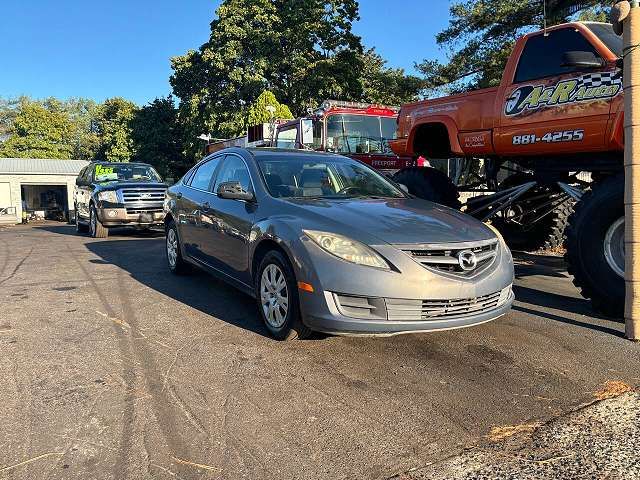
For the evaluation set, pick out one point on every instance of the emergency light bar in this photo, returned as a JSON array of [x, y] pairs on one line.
[[327, 104]]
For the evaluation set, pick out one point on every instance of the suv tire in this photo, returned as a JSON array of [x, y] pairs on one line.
[[96, 229]]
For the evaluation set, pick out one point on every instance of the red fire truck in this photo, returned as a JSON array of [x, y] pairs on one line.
[[363, 131]]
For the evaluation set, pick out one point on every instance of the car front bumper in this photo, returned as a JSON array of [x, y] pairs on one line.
[[117, 217], [354, 299], [327, 318]]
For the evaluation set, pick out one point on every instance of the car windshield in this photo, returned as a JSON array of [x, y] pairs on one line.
[[299, 176], [348, 133], [604, 31], [125, 172]]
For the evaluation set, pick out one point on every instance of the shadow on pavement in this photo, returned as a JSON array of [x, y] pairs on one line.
[[529, 264], [64, 229], [144, 260]]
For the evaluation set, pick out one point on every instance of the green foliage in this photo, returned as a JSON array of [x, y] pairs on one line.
[[303, 51], [156, 137], [481, 35], [113, 126], [39, 130], [258, 113]]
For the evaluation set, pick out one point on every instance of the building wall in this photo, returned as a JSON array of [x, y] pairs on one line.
[[15, 181]]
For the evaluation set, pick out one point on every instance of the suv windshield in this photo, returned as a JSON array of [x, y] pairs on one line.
[[293, 176], [349, 133], [604, 31], [124, 172]]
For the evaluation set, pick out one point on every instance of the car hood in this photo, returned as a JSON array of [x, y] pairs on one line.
[[394, 221], [116, 184]]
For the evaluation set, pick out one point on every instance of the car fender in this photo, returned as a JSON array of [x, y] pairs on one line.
[[448, 122]]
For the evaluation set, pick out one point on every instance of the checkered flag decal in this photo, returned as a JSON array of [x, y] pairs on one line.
[[600, 79]]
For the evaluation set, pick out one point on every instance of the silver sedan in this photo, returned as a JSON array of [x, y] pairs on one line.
[[325, 243]]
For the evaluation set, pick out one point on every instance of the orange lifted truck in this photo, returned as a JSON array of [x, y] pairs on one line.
[[557, 112]]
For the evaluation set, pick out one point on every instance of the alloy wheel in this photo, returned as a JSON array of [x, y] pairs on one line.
[[274, 295], [614, 246], [172, 247]]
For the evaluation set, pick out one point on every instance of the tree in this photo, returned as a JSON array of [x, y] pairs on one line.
[[113, 127], [483, 34], [156, 136], [39, 131], [387, 86], [83, 115], [258, 113], [304, 51]]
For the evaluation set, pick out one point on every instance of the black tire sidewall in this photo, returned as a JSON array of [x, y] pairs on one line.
[[589, 226], [293, 312], [180, 267]]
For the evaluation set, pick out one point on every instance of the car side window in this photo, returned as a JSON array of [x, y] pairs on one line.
[[233, 169], [543, 54], [88, 175], [204, 174]]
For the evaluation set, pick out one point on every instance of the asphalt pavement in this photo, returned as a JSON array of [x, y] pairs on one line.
[[112, 368]]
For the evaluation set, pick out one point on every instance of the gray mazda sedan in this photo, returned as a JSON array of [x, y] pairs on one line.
[[325, 243]]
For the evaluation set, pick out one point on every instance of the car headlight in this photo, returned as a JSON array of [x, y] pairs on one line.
[[108, 196], [347, 249]]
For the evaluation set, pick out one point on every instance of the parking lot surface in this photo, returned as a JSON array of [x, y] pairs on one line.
[[113, 369]]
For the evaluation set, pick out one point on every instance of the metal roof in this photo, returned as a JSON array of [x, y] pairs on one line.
[[40, 166]]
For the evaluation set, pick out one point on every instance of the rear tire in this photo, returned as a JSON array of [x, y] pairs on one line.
[[96, 229], [597, 214], [547, 233], [429, 184], [276, 286]]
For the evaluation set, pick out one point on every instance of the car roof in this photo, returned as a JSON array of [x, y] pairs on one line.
[[266, 152]]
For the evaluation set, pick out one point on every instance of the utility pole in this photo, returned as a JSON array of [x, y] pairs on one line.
[[625, 16]]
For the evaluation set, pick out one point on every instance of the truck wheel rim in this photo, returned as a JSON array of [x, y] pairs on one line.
[[274, 295], [172, 247], [614, 246]]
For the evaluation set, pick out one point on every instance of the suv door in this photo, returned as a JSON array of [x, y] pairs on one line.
[[195, 199], [552, 108], [227, 246], [83, 192]]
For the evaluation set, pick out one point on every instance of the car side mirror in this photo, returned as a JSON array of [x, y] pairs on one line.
[[403, 187], [581, 60], [80, 182], [234, 191]]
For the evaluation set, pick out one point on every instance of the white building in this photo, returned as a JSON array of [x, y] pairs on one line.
[[42, 185]]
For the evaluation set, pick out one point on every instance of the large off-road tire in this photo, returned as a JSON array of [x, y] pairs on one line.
[[595, 246], [430, 184], [277, 296], [516, 223], [96, 229]]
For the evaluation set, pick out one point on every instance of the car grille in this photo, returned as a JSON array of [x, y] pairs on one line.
[[446, 258], [137, 211], [143, 195], [402, 309]]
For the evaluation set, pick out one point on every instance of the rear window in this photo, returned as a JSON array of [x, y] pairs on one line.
[[604, 31]]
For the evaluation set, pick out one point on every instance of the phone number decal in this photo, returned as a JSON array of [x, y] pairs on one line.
[[550, 137]]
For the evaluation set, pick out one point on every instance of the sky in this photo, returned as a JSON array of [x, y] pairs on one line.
[[79, 48]]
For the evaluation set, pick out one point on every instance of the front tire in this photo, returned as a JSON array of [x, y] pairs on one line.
[[429, 184], [81, 228], [277, 295], [176, 263], [96, 229], [595, 246]]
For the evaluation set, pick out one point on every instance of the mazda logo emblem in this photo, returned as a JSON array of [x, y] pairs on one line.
[[467, 260]]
